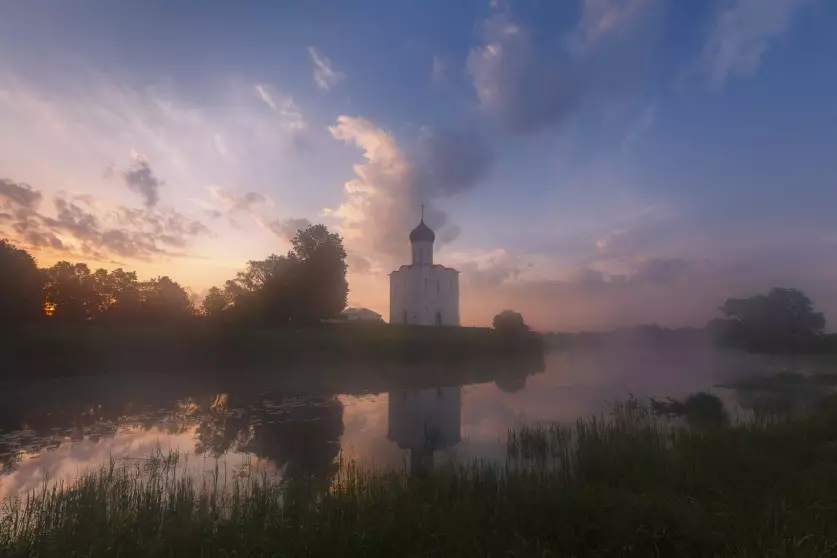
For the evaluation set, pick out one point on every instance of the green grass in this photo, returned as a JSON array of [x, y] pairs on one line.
[[626, 485]]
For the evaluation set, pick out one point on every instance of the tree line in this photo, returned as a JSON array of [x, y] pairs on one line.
[[303, 286]]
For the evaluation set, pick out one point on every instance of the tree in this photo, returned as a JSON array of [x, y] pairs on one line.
[[165, 301], [214, 303], [321, 285], [783, 319], [21, 286], [509, 321], [304, 286], [71, 289]]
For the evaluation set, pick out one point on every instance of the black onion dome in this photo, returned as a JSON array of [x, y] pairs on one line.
[[422, 233]]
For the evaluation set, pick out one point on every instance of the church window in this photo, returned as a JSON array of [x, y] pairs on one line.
[[438, 318]]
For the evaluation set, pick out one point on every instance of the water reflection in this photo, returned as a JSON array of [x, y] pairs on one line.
[[425, 421], [388, 419]]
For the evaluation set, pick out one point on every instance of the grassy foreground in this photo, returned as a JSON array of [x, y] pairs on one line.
[[626, 486]]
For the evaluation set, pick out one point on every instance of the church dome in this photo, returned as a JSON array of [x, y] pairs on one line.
[[422, 233]]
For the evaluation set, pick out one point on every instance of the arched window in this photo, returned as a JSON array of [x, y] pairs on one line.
[[438, 318]]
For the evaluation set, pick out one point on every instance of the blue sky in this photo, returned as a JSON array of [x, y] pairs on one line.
[[592, 163]]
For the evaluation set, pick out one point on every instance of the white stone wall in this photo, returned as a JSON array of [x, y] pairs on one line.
[[422, 294]]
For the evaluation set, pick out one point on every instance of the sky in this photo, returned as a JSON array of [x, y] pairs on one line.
[[589, 163]]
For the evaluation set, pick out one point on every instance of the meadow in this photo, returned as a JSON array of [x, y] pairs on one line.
[[56, 350], [627, 484]]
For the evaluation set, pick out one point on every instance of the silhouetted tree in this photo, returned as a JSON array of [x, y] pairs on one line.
[[509, 321], [71, 288], [304, 286], [784, 319], [21, 286], [214, 303], [165, 301]]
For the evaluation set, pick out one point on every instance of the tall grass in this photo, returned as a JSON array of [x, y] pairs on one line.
[[626, 485]]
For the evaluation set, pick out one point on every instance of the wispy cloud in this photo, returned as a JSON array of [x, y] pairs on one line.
[[603, 18], [324, 74], [742, 34]]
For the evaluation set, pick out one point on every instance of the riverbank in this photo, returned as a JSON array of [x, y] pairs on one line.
[[628, 486], [50, 350]]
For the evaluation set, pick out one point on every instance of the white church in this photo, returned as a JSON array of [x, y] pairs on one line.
[[424, 293]]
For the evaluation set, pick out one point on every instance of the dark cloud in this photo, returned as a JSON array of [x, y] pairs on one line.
[[452, 161], [19, 194], [522, 91], [140, 178], [75, 228], [287, 228]]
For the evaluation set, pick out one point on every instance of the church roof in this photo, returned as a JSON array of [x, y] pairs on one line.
[[422, 233]]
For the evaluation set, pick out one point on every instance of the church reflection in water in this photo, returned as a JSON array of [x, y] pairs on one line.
[[425, 421]]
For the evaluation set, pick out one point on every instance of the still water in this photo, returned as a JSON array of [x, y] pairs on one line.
[[55, 429]]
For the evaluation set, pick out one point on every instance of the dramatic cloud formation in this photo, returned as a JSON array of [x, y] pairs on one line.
[[383, 199], [324, 74], [742, 34], [140, 178], [18, 194], [75, 229], [523, 92]]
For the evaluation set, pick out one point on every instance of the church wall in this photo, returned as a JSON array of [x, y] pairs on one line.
[[423, 291]]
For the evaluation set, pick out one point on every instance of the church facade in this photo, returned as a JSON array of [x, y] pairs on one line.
[[424, 293]]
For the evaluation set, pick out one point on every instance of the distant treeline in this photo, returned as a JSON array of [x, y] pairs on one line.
[[781, 321], [303, 286]]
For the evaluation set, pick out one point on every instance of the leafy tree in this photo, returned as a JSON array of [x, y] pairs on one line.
[[509, 321], [165, 300], [71, 288], [21, 286], [304, 286], [783, 319], [215, 302], [322, 289]]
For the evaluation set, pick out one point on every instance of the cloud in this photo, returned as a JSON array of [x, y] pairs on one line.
[[324, 74], [358, 264], [603, 18], [75, 228], [383, 199], [287, 229], [291, 117], [19, 194], [741, 35], [488, 268], [522, 92], [234, 203], [140, 178]]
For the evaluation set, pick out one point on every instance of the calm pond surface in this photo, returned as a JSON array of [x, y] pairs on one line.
[[54, 429]]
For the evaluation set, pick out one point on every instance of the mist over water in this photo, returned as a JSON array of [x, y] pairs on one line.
[[55, 429]]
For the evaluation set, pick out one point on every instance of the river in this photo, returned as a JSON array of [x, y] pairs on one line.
[[51, 430]]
